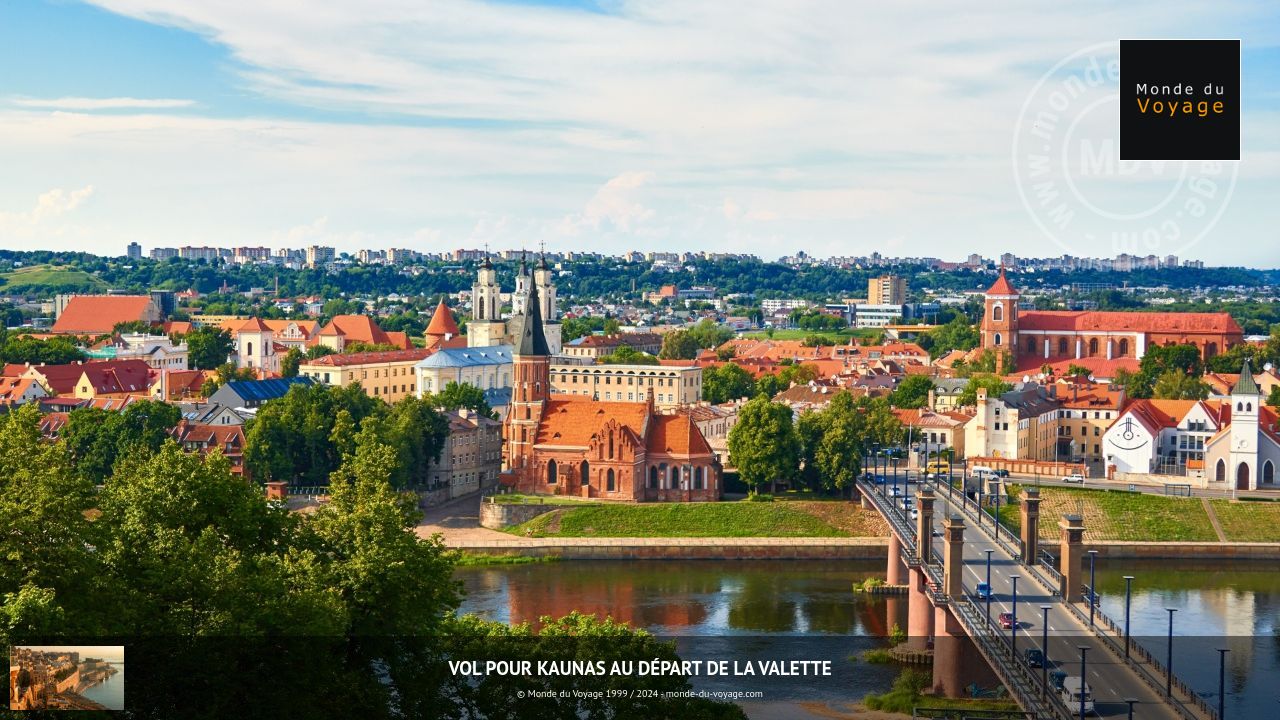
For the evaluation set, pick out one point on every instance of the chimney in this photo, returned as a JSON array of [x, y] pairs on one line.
[[932, 399]]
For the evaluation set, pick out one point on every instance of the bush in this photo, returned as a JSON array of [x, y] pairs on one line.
[[896, 635], [905, 693], [879, 656], [760, 497], [866, 585]]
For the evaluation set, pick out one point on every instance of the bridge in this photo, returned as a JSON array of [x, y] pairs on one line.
[[943, 553]]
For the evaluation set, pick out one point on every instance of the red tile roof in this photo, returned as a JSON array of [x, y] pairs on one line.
[[98, 314], [1098, 367], [108, 376], [1001, 286], [362, 328], [1152, 322], [573, 421], [676, 435], [369, 358], [442, 321]]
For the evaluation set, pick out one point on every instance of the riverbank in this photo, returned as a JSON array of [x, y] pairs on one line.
[[740, 519]]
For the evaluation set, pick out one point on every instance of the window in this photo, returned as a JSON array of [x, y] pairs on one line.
[[1031, 344], [551, 472], [1093, 347], [1220, 472], [609, 481], [697, 478], [1268, 472], [1124, 347], [998, 339], [1062, 346], [997, 313], [653, 477], [584, 473]]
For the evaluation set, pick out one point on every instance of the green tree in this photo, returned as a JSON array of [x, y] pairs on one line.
[[627, 355], [709, 334], [1273, 399], [290, 362], [679, 345], [291, 437], [958, 334], [22, 348], [993, 385], [912, 392], [763, 445], [98, 438], [1175, 385], [415, 431], [464, 395], [208, 347], [726, 382]]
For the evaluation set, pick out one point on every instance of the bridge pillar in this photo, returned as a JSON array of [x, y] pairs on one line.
[[1069, 557], [953, 556], [924, 525], [919, 611], [957, 664], [1030, 525], [893, 572]]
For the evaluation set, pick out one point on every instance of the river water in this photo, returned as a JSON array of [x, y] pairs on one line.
[[110, 693], [807, 609]]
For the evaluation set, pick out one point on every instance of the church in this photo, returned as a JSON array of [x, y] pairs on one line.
[[567, 445], [487, 328], [1088, 338]]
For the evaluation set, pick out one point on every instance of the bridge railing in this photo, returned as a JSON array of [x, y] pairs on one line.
[[1155, 680]]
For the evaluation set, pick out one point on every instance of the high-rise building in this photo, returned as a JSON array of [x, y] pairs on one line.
[[319, 255], [134, 252], [886, 290]]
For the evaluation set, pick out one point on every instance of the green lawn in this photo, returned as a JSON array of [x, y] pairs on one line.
[[519, 499], [1116, 515], [724, 519], [1248, 521], [49, 278]]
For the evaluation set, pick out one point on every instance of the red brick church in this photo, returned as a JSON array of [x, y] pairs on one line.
[[1087, 338], [566, 445]]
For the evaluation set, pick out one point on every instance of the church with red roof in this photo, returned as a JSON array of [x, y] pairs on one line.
[[1112, 339], [579, 446]]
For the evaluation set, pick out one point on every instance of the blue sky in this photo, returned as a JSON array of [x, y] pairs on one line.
[[825, 125]]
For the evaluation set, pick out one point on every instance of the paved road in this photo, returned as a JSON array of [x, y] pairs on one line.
[[1111, 680]]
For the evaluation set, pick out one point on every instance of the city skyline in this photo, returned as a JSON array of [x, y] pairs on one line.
[[605, 126]]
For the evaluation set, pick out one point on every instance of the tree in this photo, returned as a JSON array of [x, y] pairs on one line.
[[464, 395], [763, 444], [21, 348], [290, 439], [726, 382], [679, 345], [817, 341], [290, 362], [993, 385], [208, 347], [1074, 370], [416, 431], [709, 334], [912, 392], [1175, 385], [958, 334], [1273, 399], [358, 346], [98, 438], [627, 355]]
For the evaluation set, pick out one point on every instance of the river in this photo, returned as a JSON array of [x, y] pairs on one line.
[[807, 609], [109, 693]]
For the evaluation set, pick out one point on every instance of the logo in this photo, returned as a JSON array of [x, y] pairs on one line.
[[1078, 188], [1179, 99]]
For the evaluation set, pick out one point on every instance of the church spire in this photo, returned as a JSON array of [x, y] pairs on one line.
[[531, 340], [1246, 384]]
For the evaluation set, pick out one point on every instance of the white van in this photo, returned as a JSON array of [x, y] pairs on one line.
[[1072, 689], [983, 473]]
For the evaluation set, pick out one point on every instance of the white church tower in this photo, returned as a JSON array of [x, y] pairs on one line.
[[1246, 398], [486, 328], [547, 305]]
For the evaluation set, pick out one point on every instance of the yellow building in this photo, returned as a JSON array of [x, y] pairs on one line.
[[672, 386], [388, 375], [886, 290]]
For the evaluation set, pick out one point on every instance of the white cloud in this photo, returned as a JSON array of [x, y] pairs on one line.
[[613, 207], [49, 206], [308, 233], [116, 103]]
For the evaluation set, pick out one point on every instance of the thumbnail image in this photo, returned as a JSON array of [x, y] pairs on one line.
[[66, 677]]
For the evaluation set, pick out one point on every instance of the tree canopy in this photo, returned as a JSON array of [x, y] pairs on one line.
[[763, 445]]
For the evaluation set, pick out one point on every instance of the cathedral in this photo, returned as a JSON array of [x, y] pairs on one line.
[[573, 445], [1092, 338], [487, 328]]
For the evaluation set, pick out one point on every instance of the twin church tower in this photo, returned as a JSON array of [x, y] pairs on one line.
[[487, 328]]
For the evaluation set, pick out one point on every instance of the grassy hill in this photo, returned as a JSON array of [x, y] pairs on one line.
[[48, 279], [721, 519]]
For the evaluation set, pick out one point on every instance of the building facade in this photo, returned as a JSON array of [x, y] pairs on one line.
[[488, 327], [470, 460], [671, 386], [388, 375], [886, 290]]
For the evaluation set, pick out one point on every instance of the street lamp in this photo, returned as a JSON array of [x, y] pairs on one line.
[[1083, 650], [1013, 627], [1128, 592], [1044, 647], [1131, 702], [988, 551], [1093, 593], [1168, 665], [1222, 676]]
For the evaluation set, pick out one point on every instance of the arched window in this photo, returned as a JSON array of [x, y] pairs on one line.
[[1210, 350], [1124, 347], [697, 478], [1093, 347], [248, 348], [1242, 476], [653, 477], [1248, 407], [1268, 472], [1062, 346], [610, 447], [997, 312], [998, 339], [584, 473], [1031, 344], [551, 472], [1239, 406], [1220, 472], [663, 476], [609, 480]]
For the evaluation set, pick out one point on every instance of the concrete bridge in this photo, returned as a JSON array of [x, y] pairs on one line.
[[943, 554]]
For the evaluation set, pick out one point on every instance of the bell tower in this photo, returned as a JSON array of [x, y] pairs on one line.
[[531, 385], [486, 328], [1000, 320], [1246, 396]]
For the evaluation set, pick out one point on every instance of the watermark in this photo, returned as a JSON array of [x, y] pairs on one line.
[[1071, 180]]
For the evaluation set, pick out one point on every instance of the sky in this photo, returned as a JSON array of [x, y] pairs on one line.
[[829, 126]]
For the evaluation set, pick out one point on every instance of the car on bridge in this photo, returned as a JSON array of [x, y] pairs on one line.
[[983, 592], [1074, 478], [1006, 620], [1035, 658], [1056, 678], [1074, 690]]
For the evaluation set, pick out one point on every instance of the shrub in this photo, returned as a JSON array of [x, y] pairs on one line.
[[896, 635], [760, 497]]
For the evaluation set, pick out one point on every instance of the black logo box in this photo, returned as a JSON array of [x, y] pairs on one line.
[[1187, 69]]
